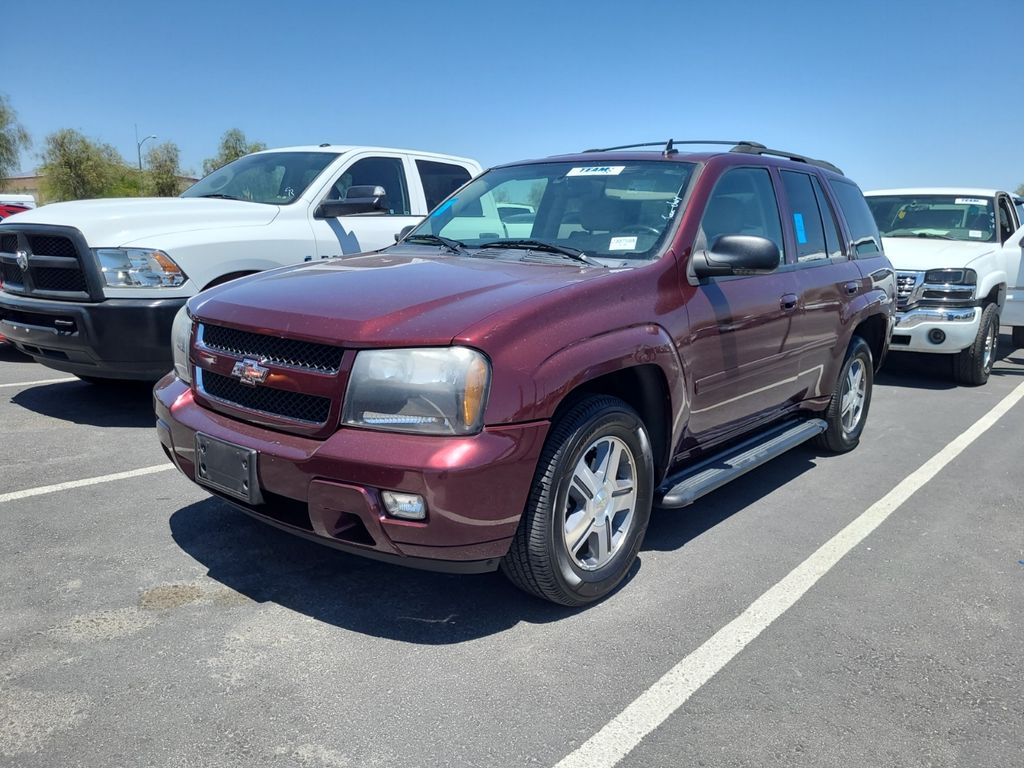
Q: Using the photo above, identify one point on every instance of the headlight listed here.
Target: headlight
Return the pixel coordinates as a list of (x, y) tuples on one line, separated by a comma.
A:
[(951, 276), (439, 391), (181, 336), (139, 268)]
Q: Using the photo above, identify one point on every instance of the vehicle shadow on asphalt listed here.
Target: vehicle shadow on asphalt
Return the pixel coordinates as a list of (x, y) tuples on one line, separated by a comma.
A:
[(8, 354), (127, 404), (920, 370), (365, 596), (671, 529)]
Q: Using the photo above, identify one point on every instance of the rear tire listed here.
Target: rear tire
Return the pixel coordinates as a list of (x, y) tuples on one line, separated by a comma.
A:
[(589, 506), (973, 365), (848, 410)]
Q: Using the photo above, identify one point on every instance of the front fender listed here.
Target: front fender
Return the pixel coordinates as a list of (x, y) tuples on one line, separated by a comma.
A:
[(571, 367)]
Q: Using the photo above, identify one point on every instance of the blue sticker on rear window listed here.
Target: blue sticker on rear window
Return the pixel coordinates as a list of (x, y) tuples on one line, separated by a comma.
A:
[(801, 233), (444, 207)]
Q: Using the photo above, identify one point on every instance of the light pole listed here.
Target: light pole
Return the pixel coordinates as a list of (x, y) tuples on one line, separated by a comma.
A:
[(138, 144)]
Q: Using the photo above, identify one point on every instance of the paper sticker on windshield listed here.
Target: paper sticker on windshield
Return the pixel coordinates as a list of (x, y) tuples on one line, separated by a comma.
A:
[(622, 244), (975, 233), (971, 201), (597, 170)]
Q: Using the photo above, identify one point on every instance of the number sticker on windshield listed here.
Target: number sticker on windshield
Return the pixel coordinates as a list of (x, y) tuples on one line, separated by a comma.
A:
[(598, 170), (975, 233), (971, 201), (622, 244)]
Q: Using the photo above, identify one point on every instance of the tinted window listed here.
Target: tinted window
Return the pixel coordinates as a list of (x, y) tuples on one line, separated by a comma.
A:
[(807, 222), (387, 172), (440, 180), (274, 178), (866, 240), (828, 217), (742, 203), (1006, 223)]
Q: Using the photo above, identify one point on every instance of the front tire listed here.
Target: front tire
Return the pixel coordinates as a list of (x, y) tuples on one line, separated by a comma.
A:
[(589, 507), (974, 364), (848, 410)]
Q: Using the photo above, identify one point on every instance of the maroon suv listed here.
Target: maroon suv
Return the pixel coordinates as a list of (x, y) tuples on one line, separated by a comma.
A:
[(521, 391)]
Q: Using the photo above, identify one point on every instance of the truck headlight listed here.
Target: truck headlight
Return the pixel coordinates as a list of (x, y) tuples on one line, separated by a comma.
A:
[(139, 268), (951, 276), (437, 391), (181, 337)]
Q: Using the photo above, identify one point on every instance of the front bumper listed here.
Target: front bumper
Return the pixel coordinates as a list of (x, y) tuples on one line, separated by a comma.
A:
[(116, 338), (329, 490), (913, 331)]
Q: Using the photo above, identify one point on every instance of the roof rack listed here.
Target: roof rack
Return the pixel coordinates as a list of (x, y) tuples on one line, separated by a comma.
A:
[(753, 148), (748, 147)]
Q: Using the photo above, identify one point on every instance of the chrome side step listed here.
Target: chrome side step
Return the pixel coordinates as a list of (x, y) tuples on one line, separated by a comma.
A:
[(714, 472)]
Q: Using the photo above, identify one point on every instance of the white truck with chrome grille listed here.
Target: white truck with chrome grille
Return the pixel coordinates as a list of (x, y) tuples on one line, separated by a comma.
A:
[(957, 255)]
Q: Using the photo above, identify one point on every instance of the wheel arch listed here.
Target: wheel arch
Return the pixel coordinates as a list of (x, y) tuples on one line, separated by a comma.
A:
[(874, 329)]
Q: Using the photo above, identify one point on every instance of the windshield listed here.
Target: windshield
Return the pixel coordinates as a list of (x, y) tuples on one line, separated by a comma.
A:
[(948, 217), (617, 213), (273, 178)]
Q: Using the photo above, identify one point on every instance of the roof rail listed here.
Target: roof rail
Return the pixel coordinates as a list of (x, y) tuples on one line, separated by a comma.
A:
[(749, 147), (753, 148), (669, 145)]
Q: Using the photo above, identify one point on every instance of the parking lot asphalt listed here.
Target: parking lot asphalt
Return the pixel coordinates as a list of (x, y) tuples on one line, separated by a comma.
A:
[(143, 623)]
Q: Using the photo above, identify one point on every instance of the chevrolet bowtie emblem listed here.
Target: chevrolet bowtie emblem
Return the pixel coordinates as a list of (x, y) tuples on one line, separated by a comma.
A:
[(22, 258), (250, 372)]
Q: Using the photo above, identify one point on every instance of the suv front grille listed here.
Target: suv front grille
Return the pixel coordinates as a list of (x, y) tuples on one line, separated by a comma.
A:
[(292, 353), (275, 402)]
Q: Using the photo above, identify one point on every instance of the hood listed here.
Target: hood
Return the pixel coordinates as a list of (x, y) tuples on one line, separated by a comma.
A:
[(385, 299), (113, 222), (920, 254)]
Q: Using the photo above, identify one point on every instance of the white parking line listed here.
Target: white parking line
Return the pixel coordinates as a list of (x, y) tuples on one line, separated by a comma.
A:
[(44, 489), (619, 737), (34, 383)]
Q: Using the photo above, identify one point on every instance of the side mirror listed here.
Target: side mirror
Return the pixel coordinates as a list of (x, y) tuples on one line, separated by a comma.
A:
[(362, 199), (736, 254), (400, 234)]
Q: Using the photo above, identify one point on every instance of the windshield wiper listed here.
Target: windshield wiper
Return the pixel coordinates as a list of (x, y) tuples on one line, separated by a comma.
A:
[(455, 246), (539, 245), (225, 197)]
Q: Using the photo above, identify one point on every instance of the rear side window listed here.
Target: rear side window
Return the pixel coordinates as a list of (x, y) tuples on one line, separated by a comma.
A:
[(440, 180), (866, 240), (742, 203), (814, 226)]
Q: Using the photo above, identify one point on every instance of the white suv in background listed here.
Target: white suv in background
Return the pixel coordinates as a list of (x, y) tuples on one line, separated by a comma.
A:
[(958, 271)]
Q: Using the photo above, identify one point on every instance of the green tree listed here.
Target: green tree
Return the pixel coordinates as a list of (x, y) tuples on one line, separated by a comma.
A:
[(233, 145), (75, 168), (1020, 190), (162, 162), (13, 138)]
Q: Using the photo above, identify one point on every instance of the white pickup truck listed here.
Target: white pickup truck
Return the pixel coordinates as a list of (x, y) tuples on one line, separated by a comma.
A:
[(957, 255), (91, 287)]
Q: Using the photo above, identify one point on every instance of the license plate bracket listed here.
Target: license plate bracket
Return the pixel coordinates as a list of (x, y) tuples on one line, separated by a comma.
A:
[(228, 468)]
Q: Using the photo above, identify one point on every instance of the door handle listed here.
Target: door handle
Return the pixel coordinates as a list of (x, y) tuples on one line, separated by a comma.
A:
[(788, 301), (852, 288)]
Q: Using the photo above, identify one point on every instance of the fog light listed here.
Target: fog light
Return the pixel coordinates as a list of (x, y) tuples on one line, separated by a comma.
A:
[(407, 506), (936, 335)]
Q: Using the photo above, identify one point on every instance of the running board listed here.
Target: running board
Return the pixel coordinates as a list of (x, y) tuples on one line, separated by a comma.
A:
[(693, 482)]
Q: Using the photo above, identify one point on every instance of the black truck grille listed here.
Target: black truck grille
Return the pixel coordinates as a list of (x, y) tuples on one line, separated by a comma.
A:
[(276, 402), (55, 265), (293, 353)]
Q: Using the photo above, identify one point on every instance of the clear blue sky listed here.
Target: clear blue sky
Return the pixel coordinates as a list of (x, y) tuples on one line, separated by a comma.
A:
[(896, 93)]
